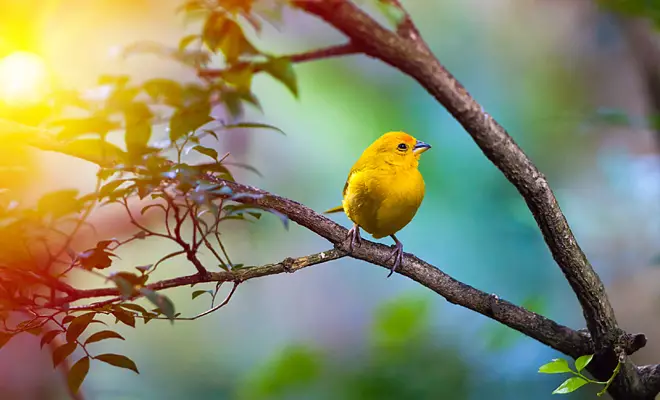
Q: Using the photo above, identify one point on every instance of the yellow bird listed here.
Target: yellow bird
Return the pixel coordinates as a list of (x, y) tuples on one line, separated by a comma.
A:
[(384, 189)]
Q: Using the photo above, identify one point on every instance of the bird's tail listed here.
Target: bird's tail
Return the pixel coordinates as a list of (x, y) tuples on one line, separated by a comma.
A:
[(334, 210)]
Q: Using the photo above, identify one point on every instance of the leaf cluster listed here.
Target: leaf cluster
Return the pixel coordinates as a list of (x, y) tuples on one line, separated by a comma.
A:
[(174, 178), (560, 366)]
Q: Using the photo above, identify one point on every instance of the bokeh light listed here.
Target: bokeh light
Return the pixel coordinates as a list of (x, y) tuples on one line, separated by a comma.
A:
[(23, 78)]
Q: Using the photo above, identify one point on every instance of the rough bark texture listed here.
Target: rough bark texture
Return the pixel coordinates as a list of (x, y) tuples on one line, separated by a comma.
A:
[(406, 50), (559, 337)]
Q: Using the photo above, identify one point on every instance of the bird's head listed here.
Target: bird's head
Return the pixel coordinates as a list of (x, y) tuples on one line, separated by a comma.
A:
[(398, 148)]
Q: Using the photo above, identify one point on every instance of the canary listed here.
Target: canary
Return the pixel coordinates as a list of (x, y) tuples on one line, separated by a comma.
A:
[(384, 189)]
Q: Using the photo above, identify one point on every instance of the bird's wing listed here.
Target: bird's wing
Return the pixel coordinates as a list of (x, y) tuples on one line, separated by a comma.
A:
[(357, 167), (343, 193)]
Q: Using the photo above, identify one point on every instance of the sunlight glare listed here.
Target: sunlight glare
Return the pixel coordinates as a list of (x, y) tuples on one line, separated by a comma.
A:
[(23, 78)]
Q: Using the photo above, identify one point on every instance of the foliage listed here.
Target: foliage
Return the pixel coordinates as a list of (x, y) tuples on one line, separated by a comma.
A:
[(636, 8), (560, 366), (39, 241)]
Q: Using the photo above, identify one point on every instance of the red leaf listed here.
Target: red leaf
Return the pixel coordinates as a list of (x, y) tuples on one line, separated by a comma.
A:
[(77, 374)]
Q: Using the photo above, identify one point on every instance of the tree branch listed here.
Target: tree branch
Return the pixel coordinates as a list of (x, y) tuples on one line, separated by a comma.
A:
[(650, 375), (237, 275), (418, 62), (312, 55), (412, 56), (546, 331)]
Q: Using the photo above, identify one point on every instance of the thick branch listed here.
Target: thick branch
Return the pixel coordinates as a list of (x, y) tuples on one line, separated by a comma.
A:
[(412, 56), (313, 55), (546, 331), (415, 59), (650, 375)]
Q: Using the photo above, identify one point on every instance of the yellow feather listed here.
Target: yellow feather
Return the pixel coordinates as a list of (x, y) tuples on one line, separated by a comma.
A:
[(384, 189), (334, 210)]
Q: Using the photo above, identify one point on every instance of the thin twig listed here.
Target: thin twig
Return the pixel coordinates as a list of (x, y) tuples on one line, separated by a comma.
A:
[(313, 55), (213, 309), (239, 275)]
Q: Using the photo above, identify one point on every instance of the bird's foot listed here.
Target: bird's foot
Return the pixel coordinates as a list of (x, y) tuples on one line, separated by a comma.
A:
[(397, 253), (354, 238)]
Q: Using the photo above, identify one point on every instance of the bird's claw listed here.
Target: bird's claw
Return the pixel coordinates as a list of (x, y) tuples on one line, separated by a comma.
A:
[(397, 253), (354, 238)]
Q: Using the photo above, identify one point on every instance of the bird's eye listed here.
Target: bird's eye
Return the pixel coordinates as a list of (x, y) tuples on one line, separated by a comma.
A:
[(402, 146)]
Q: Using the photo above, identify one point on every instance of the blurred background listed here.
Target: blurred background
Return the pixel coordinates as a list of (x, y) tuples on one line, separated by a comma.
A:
[(570, 81)]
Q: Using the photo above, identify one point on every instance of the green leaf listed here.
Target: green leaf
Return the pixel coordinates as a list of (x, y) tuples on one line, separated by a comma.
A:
[(281, 68), (570, 385), (556, 366), (207, 151), (77, 374), (75, 127), (240, 77), (198, 293), (233, 103), (583, 361), (212, 31), (63, 352), (163, 303), (96, 151), (252, 125), (78, 326), (224, 34), (59, 203), (166, 90), (109, 188), (187, 40), (121, 99), (138, 128), (102, 335), (118, 361), (189, 119), (48, 337)]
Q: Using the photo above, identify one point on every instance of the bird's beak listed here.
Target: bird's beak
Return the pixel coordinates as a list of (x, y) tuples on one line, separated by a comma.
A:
[(421, 147)]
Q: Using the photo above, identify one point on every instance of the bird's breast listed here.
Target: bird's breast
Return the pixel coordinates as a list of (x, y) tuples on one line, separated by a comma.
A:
[(383, 201)]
